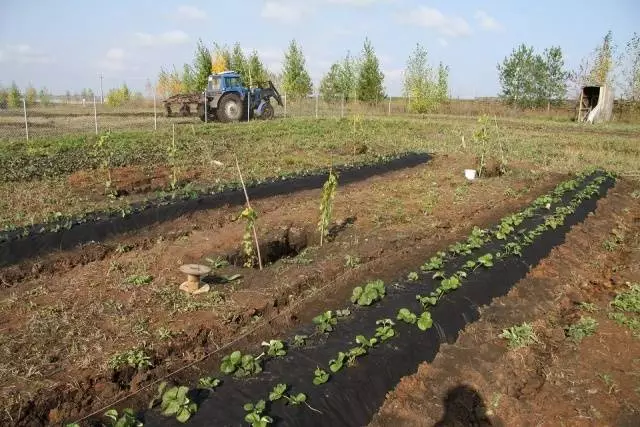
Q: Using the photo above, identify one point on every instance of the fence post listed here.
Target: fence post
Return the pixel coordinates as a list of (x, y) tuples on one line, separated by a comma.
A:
[(26, 123), (155, 112), (95, 113), (389, 106), (206, 116), (317, 97), (285, 104)]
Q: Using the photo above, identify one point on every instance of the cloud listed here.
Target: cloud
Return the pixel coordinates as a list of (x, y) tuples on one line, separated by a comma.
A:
[(423, 16), (114, 59), (23, 54), (191, 12), (443, 42), (163, 39), (358, 2), (487, 22), (286, 11)]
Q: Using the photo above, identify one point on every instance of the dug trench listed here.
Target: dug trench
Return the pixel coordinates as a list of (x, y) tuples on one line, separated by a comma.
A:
[(71, 392), (352, 396)]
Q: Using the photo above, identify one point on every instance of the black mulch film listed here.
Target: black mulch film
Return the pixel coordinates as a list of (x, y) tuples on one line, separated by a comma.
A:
[(353, 395), (28, 242)]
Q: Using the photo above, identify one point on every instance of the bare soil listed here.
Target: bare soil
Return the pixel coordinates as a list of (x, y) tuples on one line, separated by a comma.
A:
[(66, 315), (556, 381)]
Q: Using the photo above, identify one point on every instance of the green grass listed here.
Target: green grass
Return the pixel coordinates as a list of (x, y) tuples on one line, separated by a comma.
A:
[(626, 309), (583, 328), (519, 335), (33, 175)]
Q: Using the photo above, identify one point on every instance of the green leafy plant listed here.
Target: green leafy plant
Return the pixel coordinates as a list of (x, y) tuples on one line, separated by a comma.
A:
[(278, 393), (300, 340), (325, 321), (139, 279), (434, 263), (519, 335), (320, 376), (365, 342), (208, 383), (424, 321), (584, 327), (255, 414), (127, 419), (240, 365), (219, 262), (406, 316), (351, 261), (136, 358), (336, 364), (250, 216), (275, 348), (427, 301), (326, 205), (345, 312), (354, 353), (385, 330), (175, 402), (105, 152), (486, 260), (372, 292), (412, 276)]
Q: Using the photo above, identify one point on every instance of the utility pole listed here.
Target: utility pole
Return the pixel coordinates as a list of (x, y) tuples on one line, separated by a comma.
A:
[(101, 91)]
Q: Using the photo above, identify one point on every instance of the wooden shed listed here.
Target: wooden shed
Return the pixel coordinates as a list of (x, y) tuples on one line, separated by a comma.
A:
[(596, 104)]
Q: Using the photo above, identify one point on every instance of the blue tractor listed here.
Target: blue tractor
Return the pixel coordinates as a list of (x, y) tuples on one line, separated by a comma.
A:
[(229, 100)]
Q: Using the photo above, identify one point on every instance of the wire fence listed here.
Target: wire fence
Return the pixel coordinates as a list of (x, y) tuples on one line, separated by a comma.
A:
[(81, 116)]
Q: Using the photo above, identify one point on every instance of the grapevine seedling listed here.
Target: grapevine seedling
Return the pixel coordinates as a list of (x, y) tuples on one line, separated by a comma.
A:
[(239, 365), (385, 330), (406, 316), (320, 376), (425, 321), (175, 402), (208, 383), (372, 292), (275, 348), (325, 322), (106, 153), (326, 205), (254, 414), (172, 153), (128, 418), (250, 215), (300, 340)]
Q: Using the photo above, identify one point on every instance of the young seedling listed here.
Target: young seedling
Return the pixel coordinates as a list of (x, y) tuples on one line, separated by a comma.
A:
[(424, 321), (320, 376), (372, 292), (413, 276), (486, 260), (175, 402), (325, 322), (343, 313), (208, 383), (172, 155), (406, 316), (434, 263), (519, 335), (250, 215), (336, 364), (427, 301), (583, 328), (354, 353), (255, 415), (300, 340), (136, 358), (278, 393), (365, 342), (275, 348), (105, 152), (128, 418), (240, 365), (385, 330), (326, 205)]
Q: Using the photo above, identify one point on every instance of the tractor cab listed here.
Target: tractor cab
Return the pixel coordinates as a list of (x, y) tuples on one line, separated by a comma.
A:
[(224, 82)]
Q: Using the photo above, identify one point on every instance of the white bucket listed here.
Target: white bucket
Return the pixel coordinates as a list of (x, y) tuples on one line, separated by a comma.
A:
[(470, 174)]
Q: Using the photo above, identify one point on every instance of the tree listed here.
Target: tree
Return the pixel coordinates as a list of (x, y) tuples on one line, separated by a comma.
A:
[(631, 75), (370, 78), (296, 79), (201, 68), (340, 80), (521, 76), (169, 83), (257, 70), (330, 88), (119, 97), (221, 60), (45, 97), (554, 84), (14, 97), (425, 88), (30, 95), (4, 95), (189, 83), (238, 62), (603, 62)]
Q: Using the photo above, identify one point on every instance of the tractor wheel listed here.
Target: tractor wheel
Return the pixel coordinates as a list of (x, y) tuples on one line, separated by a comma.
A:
[(267, 111), (230, 108)]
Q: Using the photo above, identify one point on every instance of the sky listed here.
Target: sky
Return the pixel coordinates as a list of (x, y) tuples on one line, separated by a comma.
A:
[(66, 45)]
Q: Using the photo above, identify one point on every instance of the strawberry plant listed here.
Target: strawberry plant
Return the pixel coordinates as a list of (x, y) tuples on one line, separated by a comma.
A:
[(240, 365), (278, 393), (469, 265), (513, 248), (128, 418), (300, 340), (385, 330), (486, 260), (275, 348), (460, 248), (424, 321), (320, 376), (336, 364), (427, 301), (175, 402), (326, 205), (366, 342), (343, 313), (372, 292), (255, 415), (413, 276), (208, 383), (354, 353), (325, 322), (434, 263), (406, 316)]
